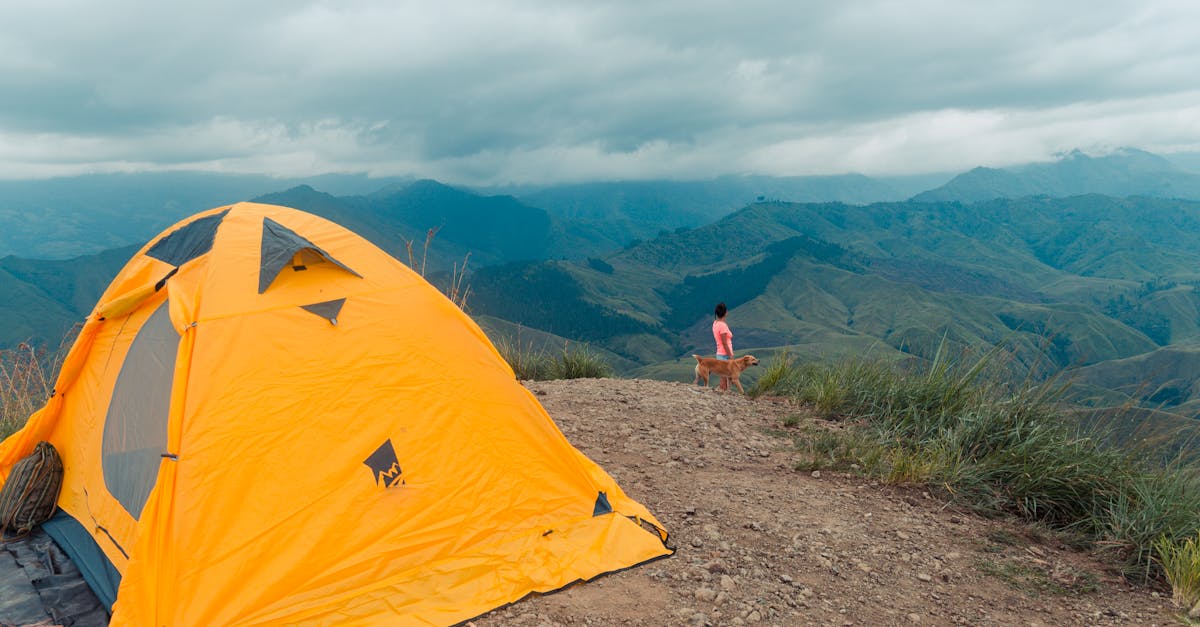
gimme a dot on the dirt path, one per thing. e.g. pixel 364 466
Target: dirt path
pixel 760 542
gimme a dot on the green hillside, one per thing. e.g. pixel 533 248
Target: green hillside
pixel 1167 379
pixel 1027 275
pixel 44 299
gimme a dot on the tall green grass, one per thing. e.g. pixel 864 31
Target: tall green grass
pixel 573 362
pixel 1000 447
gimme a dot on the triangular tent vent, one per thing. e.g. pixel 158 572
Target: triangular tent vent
pixel 279 245
pixel 328 310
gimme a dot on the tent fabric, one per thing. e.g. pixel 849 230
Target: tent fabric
pixel 386 469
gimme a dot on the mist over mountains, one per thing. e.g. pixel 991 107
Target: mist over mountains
pixel 1087 265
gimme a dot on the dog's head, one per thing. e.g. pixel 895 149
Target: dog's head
pixel 748 360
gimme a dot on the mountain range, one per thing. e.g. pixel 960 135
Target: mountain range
pixel 1084 267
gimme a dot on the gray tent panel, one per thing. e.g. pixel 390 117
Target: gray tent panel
pixel 279 245
pixel 135 429
pixel 328 309
pixel 188 241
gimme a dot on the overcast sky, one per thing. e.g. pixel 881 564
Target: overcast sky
pixel 504 91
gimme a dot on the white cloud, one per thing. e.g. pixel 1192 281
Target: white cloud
pixel 528 91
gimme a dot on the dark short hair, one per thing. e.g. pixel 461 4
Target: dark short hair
pixel 721 310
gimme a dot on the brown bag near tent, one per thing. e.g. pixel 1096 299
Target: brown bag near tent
pixel 30 495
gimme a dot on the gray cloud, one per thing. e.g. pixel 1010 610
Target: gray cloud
pixel 523 91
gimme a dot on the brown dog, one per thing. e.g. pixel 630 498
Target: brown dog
pixel 731 368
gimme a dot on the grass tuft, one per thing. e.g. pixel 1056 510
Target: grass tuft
pixel 579 362
pixel 1181 563
pixel 574 362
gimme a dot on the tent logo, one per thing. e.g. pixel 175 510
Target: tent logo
pixel 384 465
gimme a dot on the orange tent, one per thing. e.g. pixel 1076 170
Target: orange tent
pixel 268 420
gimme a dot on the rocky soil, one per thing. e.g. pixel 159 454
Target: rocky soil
pixel 760 542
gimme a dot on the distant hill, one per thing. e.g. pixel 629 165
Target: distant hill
pixel 44 299
pixel 1189 161
pixel 1167 378
pixel 61 218
pixel 621 212
pixel 66 217
pixel 1127 172
pixel 492 229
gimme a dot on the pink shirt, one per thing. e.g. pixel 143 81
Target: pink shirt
pixel 720 329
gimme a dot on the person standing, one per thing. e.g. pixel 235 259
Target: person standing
pixel 724 338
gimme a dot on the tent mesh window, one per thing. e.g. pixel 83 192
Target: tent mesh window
pixel 135 431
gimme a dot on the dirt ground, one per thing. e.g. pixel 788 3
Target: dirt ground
pixel 760 542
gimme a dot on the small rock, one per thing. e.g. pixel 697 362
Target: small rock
pixel 816 474
pixel 903 536
pixel 785 579
pixel 707 595
pixel 914 618
pixel 924 577
pixel 697 542
pixel 727 583
pixel 754 617
pixel 698 619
